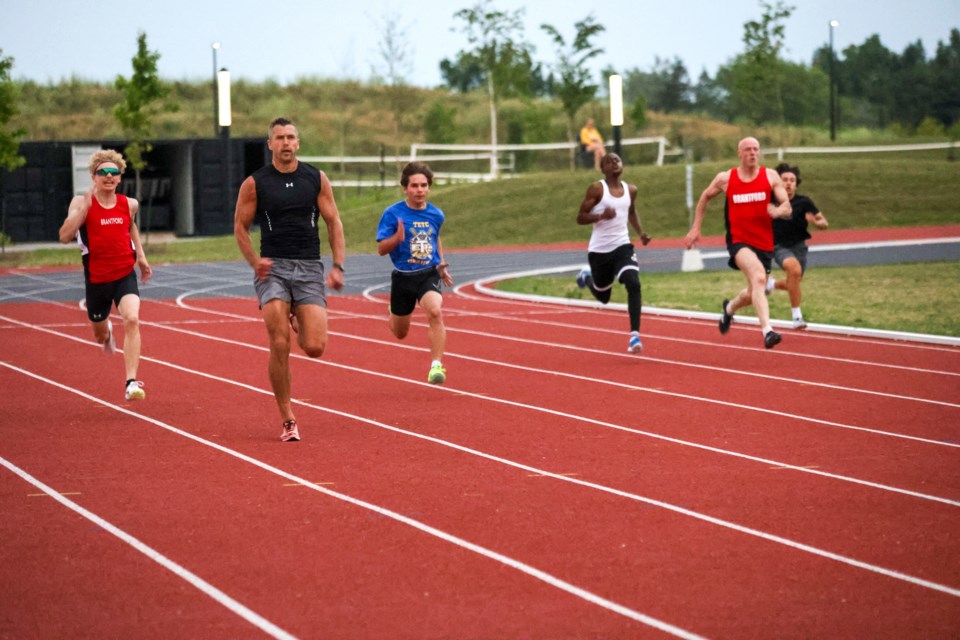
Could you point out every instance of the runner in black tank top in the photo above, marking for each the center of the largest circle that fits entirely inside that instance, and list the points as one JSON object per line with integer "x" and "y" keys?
{"x": 287, "y": 198}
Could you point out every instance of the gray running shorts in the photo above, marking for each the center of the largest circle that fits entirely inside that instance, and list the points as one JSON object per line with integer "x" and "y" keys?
{"x": 798, "y": 251}
{"x": 293, "y": 281}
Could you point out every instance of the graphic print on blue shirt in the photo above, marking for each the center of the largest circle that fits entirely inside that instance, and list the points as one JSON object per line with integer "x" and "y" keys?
{"x": 421, "y": 228}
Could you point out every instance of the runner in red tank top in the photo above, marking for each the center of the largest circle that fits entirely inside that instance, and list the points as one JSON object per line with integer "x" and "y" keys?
{"x": 103, "y": 223}
{"x": 748, "y": 215}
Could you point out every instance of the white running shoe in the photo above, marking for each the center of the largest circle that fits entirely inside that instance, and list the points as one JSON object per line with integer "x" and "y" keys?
{"x": 799, "y": 323}
{"x": 135, "y": 391}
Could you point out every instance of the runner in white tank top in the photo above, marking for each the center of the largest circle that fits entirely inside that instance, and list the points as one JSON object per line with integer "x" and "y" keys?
{"x": 610, "y": 206}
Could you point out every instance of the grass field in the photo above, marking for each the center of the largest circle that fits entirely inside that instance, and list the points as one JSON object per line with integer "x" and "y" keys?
{"x": 918, "y": 298}
{"x": 859, "y": 192}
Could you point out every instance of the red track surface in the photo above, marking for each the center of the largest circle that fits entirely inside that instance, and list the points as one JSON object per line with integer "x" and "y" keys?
{"x": 554, "y": 487}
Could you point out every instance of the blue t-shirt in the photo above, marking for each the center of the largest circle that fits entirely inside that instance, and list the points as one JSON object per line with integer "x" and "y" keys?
{"x": 421, "y": 231}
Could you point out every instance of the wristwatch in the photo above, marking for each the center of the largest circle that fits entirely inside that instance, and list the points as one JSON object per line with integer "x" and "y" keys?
{"x": 337, "y": 265}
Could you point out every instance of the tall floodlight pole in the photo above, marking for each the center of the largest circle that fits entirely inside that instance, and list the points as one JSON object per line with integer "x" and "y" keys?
{"x": 216, "y": 109}
{"x": 833, "y": 87}
{"x": 616, "y": 109}
{"x": 225, "y": 119}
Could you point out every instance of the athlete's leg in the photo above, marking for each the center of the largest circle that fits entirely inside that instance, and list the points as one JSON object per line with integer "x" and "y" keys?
{"x": 432, "y": 304}
{"x": 631, "y": 282}
{"x": 129, "y": 308}
{"x": 312, "y": 328}
{"x": 756, "y": 276}
{"x": 276, "y": 317}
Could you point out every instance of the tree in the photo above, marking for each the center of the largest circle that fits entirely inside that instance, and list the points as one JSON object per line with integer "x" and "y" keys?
{"x": 396, "y": 57}
{"x": 756, "y": 90}
{"x": 573, "y": 86}
{"x": 946, "y": 80}
{"x": 10, "y": 157}
{"x": 139, "y": 106}
{"x": 502, "y": 55}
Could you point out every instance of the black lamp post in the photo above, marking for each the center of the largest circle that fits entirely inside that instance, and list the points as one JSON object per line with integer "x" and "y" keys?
{"x": 216, "y": 109}
{"x": 833, "y": 87}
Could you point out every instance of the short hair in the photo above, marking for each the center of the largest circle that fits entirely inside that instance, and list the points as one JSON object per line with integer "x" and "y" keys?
{"x": 784, "y": 167}
{"x": 412, "y": 169}
{"x": 106, "y": 155}
{"x": 281, "y": 122}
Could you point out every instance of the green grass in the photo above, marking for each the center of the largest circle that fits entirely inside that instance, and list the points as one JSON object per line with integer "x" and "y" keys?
{"x": 917, "y": 298}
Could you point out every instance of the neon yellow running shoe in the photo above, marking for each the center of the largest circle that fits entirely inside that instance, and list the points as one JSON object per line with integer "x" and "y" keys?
{"x": 437, "y": 375}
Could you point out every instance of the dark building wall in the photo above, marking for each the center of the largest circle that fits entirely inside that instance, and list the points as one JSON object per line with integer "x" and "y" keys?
{"x": 35, "y": 197}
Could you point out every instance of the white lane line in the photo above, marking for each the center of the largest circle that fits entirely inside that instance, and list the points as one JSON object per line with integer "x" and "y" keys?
{"x": 505, "y": 560}
{"x": 812, "y": 356}
{"x": 799, "y": 546}
{"x": 184, "y": 574}
{"x": 765, "y": 376}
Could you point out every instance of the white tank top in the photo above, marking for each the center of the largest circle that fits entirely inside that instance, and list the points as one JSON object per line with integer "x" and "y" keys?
{"x": 609, "y": 234}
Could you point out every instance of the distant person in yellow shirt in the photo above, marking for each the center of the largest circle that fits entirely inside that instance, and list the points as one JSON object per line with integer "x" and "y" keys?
{"x": 592, "y": 142}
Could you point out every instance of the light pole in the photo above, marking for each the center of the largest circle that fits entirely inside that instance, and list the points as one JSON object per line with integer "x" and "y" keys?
{"x": 225, "y": 119}
{"x": 216, "y": 109}
{"x": 833, "y": 88}
{"x": 616, "y": 110}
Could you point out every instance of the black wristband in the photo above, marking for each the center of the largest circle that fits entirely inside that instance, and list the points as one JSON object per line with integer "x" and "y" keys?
{"x": 337, "y": 265}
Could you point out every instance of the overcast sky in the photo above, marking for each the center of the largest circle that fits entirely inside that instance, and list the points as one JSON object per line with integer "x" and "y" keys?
{"x": 52, "y": 40}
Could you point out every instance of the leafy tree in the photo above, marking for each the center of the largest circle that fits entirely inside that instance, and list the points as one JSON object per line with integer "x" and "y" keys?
{"x": 754, "y": 79}
{"x": 138, "y": 108}
{"x": 463, "y": 74}
{"x": 708, "y": 96}
{"x": 573, "y": 86}
{"x": 502, "y": 54}
{"x": 439, "y": 124}
{"x": 10, "y": 157}
{"x": 396, "y": 56}
{"x": 638, "y": 114}
{"x": 945, "y": 69}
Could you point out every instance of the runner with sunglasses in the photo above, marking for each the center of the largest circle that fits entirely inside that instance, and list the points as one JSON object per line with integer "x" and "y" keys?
{"x": 104, "y": 224}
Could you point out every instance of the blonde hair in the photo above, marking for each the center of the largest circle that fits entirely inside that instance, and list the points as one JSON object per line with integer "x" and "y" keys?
{"x": 107, "y": 155}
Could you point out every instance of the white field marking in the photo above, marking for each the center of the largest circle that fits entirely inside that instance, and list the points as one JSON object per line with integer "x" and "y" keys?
{"x": 522, "y": 567}
{"x": 481, "y": 287}
{"x": 880, "y": 244}
{"x": 490, "y": 398}
{"x": 780, "y": 353}
{"x": 577, "y": 377}
{"x": 764, "y": 376}
{"x": 887, "y": 338}
{"x": 696, "y": 318}
{"x": 504, "y": 461}
{"x": 184, "y": 305}
{"x": 199, "y": 583}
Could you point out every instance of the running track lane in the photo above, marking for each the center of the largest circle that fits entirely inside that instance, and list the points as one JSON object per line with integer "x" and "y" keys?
{"x": 401, "y": 465}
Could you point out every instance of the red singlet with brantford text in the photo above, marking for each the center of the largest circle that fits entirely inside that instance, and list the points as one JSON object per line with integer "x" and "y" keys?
{"x": 746, "y": 212}
{"x": 105, "y": 242}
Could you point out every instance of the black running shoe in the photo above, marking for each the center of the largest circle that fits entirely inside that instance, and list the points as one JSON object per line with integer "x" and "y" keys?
{"x": 772, "y": 338}
{"x": 726, "y": 319}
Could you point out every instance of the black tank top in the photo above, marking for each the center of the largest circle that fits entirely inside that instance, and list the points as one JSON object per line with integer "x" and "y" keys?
{"x": 287, "y": 212}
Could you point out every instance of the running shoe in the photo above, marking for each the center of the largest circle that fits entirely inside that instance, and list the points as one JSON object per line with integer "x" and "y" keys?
{"x": 771, "y": 339}
{"x": 135, "y": 390}
{"x": 726, "y": 319}
{"x": 799, "y": 323}
{"x": 634, "y": 346}
{"x": 110, "y": 346}
{"x": 583, "y": 278}
{"x": 770, "y": 286}
{"x": 437, "y": 375}
{"x": 290, "y": 432}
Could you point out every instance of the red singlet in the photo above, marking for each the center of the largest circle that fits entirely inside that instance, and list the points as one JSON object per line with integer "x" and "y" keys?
{"x": 105, "y": 241}
{"x": 746, "y": 213}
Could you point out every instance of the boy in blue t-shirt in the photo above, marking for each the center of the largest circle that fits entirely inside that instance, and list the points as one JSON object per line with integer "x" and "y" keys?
{"x": 409, "y": 231}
